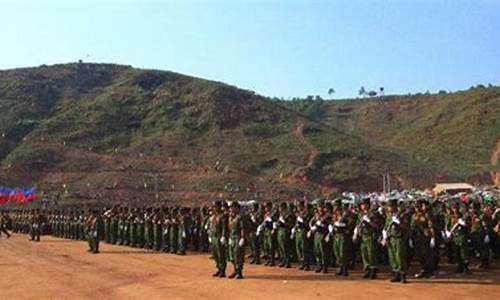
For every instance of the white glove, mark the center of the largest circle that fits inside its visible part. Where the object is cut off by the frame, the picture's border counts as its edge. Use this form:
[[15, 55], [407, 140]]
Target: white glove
[[313, 228], [330, 228], [366, 219], [293, 231], [410, 243], [380, 210], [282, 220], [327, 238], [308, 234], [461, 222], [253, 219], [356, 231], [396, 220], [223, 240], [448, 234], [210, 240], [319, 223], [432, 243], [339, 224], [183, 234], [384, 235], [275, 225], [487, 239], [206, 227], [241, 242], [268, 219], [300, 219]]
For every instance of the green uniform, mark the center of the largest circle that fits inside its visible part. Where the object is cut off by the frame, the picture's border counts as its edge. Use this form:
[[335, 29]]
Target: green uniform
[[396, 240], [236, 243], [218, 240], [367, 232], [319, 229], [342, 228], [421, 234]]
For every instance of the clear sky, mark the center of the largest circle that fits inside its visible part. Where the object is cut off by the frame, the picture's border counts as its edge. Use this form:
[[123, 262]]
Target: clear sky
[[276, 48]]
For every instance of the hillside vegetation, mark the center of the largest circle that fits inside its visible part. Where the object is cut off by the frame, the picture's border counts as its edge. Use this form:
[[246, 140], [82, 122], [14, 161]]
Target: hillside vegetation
[[100, 132]]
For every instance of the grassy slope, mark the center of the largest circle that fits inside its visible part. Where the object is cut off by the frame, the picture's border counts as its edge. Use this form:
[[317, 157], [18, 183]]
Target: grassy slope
[[113, 129], [451, 135]]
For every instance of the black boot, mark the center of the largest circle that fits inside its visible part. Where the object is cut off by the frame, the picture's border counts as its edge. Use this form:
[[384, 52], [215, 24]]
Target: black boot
[[345, 271], [216, 274], [373, 274], [318, 270], [339, 272], [232, 275], [367, 273], [396, 278], [222, 274], [403, 278], [239, 275]]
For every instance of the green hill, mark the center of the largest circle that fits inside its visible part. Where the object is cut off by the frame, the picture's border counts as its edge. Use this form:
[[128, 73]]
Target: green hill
[[100, 132], [454, 135]]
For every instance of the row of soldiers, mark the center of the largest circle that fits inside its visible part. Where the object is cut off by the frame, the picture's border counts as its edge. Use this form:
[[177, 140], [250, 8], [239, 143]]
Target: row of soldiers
[[329, 233]]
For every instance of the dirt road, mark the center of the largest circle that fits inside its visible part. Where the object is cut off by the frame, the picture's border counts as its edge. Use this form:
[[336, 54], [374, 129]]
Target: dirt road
[[62, 269]]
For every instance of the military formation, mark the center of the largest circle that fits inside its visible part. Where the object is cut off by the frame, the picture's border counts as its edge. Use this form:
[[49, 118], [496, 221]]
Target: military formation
[[318, 235]]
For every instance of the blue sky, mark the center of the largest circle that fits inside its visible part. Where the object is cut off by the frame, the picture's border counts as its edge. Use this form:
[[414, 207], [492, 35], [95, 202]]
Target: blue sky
[[277, 48]]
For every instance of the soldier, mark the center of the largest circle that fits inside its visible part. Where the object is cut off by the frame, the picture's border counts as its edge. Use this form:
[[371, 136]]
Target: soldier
[[395, 238], [148, 228], [479, 234], [318, 229], [458, 232], [93, 225], [299, 232], [422, 238], [184, 225], [236, 243], [174, 230], [217, 237], [255, 219], [366, 233], [267, 228], [157, 220], [36, 225], [341, 227], [284, 225], [4, 224]]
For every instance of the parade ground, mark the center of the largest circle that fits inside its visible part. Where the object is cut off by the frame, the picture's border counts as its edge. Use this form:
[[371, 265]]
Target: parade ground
[[63, 269]]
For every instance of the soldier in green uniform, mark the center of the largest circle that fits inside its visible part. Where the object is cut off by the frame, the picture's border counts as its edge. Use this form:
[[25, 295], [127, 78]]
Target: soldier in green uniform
[[3, 224], [299, 231], [166, 230], [256, 219], [268, 230], [236, 243], [284, 225], [422, 238], [174, 230], [148, 228], [184, 225], [479, 234], [457, 230], [218, 238], [157, 220], [394, 237], [341, 227], [93, 224], [366, 232], [318, 228], [36, 225]]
